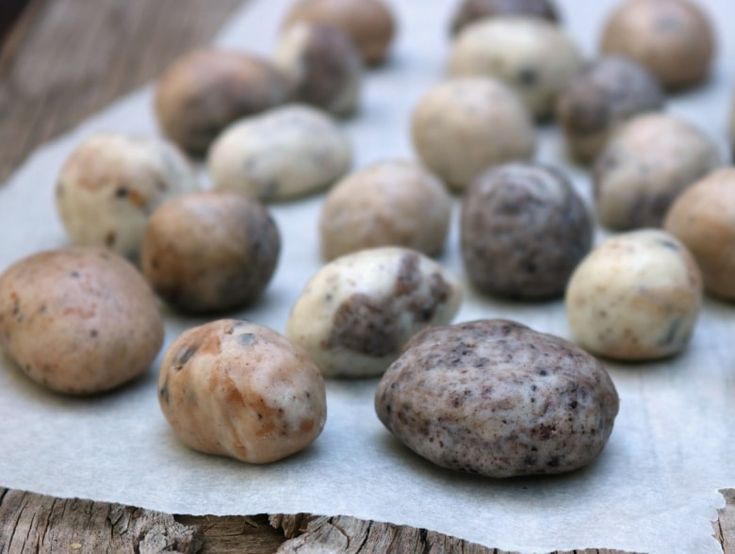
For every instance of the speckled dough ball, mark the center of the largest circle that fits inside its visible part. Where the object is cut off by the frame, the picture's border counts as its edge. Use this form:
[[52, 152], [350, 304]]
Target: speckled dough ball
[[646, 165], [369, 23], [607, 92], [674, 39], [498, 399], [635, 297], [280, 155], [395, 203], [78, 320], [323, 66], [110, 185], [532, 56], [463, 126], [206, 90], [524, 230], [703, 218], [358, 311], [470, 11], [210, 251], [237, 389]]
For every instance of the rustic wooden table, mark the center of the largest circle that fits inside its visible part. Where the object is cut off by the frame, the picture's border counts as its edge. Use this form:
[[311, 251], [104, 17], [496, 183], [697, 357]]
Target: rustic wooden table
[[61, 60]]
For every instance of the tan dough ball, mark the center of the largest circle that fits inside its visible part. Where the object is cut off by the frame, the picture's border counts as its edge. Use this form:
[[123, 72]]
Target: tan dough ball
[[674, 39], [635, 297], [323, 65], [462, 127], [283, 154], [210, 251], [206, 90], [357, 312], [532, 56], [78, 320], [605, 94], [238, 389], [110, 185], [703, 218], [369, 23], [646, 165], [470, 11], [395, 203]]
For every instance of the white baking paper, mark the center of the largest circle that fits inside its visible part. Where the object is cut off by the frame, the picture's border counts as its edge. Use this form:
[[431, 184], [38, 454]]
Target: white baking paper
[[653, 489]]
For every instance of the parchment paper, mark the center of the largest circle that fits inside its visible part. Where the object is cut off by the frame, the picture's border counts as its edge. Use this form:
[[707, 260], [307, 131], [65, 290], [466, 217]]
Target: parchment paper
[[653, 489]]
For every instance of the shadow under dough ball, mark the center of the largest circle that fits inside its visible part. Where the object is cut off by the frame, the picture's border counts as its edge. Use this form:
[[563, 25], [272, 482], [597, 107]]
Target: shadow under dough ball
[[470, 11], [210, 251], [523, 230]]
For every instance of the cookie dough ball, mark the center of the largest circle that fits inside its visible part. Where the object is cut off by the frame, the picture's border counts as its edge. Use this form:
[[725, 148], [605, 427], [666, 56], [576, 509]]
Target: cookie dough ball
[[498, 399], [369, 23], [674, 39], [110, 185], [524, 230], [78, 320], [703, 218], [607, 92], [463, 126], [395, 203], [532, 56], [283, 154], [358, 311], [323, 65], [210, 251], [646, 165], [635, 297], [237, 389], [206, 90], [470, 11]]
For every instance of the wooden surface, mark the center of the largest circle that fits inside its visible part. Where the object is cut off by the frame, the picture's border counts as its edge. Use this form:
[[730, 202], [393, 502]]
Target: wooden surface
[[60, 61]]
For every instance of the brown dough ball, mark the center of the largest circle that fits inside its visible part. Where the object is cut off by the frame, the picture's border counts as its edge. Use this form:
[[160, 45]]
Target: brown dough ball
[[324, 67], [674, 39], [237, 389], [206, 90], [703, 218], [604, 94], [78, 320], [369, 23], [524, 230], [395, 203], [210, 251], [496, 398], [470, 11]]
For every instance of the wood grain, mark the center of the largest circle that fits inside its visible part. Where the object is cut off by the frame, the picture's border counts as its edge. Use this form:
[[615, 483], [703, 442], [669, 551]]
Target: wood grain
[[65, 59]]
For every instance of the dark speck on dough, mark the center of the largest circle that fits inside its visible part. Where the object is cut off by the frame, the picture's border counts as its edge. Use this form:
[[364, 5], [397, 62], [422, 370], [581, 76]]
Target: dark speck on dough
[[671, 245], [247, 339], [527, 76], [121, 192], [184, 356]]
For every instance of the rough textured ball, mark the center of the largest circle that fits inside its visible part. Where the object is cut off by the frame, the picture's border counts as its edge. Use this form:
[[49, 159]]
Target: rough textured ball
[[524, 229], [470, 11], [210, 251]]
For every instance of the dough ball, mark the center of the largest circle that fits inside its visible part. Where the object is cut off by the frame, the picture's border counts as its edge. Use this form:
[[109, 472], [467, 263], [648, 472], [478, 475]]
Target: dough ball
[[524, 230], [646, 165], [78, 320], [463, 126], [237, 389], [532, 56], [674, 39], [280, 155], [470, 11], [206, 90], [395, 203], [111, 184], [703, 218], [369, 23], [498, 399], [210, 251], [607, 92], [358, 311], [635, 297], [323, 65]]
